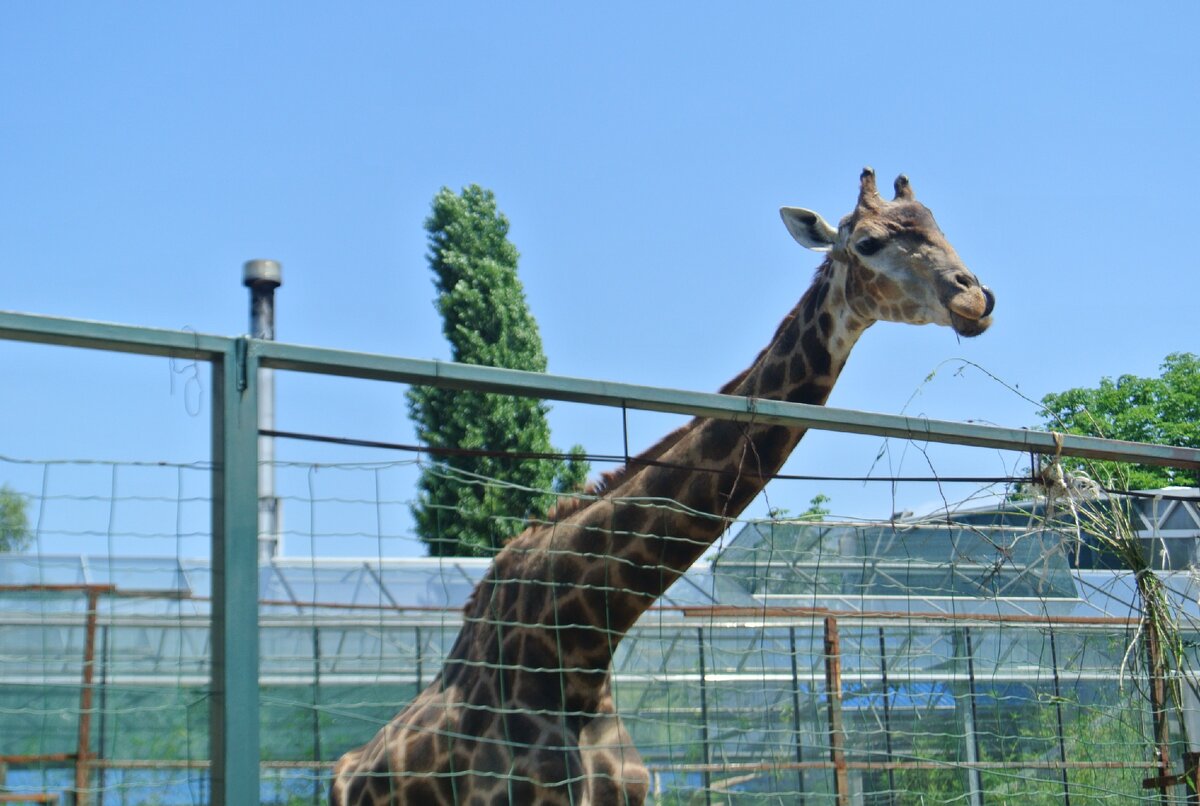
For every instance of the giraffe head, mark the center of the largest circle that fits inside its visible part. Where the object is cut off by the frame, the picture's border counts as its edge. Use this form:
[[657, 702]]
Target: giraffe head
[[899, 265]]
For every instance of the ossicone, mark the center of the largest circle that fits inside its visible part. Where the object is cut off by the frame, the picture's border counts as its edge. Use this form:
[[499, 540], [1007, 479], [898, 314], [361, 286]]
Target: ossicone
[[903, 189], [868, 192]]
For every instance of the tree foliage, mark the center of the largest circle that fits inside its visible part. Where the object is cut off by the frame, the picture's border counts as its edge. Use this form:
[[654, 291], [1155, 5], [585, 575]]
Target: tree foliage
[[487, 322], [1163, 410], [14, 524]]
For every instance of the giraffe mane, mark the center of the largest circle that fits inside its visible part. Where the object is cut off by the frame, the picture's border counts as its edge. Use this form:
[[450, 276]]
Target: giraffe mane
[[611, 480]]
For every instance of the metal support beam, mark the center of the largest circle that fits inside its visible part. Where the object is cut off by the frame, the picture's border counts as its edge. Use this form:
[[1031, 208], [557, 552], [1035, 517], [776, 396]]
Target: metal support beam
[[704, 739], [233, 709], [83, 752], [1058, 712], [1157, 674], [968, 718], [797, 735], [833, 697], [885, 688]]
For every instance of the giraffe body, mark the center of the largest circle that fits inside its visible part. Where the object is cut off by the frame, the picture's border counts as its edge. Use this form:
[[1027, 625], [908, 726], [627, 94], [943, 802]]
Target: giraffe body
[[522, 711]]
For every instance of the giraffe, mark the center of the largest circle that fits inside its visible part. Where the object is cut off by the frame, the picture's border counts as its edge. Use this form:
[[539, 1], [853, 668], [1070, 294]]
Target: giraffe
[[522, 711]]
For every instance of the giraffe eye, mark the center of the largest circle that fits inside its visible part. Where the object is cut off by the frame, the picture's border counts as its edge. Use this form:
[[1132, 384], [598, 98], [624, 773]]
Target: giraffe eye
[[869, 246]]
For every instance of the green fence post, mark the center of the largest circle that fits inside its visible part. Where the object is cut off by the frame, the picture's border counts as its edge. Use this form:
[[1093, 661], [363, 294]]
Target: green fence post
[[233, 709]]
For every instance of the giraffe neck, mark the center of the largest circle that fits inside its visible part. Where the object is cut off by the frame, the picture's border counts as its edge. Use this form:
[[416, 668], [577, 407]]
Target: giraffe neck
[[607, 562]]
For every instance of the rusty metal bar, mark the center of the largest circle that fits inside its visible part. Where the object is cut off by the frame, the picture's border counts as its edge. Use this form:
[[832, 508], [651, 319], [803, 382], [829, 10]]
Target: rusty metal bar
[[704, 718], [83, 751], [1158, 708], [759, 613], [971, 724], [833, 696], [797, 735], [887, 714], [57, 588], [1062, 742]]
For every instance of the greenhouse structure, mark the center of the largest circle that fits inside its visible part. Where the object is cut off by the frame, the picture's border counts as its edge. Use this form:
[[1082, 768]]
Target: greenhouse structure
[[967, 660]]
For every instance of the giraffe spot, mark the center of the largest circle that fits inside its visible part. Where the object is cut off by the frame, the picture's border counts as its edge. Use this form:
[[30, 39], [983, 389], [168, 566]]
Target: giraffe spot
[[604, 768], [771, 378], [580, 699], [421, 753], [489, 758], [774, 443], [595, 655], [560, 768], [809, 303], [521, 792], [571, 611], [625, 520], [476, 720], [460, 761], [718, 440], [513, 644], [816, 351], [354, 793], [522, 730], [604, 788], [530, 604], [540, 649], [481, 691], [567, 568], [699, 492], [670, 481], [740, 495], [421, 791], [787, 339], [814, 392], [622, 611], [540, 690], [798, 368], [825, 323]]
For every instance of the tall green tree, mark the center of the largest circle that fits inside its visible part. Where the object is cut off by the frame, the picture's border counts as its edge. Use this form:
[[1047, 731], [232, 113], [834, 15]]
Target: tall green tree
[[14, 524], [1163, 410], [471, 504]]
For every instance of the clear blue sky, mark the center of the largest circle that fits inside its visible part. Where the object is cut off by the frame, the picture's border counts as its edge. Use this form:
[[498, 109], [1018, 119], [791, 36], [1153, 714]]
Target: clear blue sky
[[641, 153]]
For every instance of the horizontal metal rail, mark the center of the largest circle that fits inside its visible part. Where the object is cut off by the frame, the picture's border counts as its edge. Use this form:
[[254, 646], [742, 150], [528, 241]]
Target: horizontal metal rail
[[112, 337], [326, 361]]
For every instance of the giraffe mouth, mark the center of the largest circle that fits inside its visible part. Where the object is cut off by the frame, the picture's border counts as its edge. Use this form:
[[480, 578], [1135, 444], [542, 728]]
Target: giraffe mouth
[[966, 325]]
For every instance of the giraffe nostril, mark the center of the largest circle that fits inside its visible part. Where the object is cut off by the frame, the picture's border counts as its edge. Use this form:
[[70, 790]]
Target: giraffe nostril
[[965, 281]]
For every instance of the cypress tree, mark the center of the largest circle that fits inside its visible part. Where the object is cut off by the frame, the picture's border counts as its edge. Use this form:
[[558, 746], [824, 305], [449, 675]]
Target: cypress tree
[[471, 505]]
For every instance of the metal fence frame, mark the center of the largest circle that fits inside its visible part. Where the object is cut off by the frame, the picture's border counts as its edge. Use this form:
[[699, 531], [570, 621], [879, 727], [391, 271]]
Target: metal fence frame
[[235, 362]]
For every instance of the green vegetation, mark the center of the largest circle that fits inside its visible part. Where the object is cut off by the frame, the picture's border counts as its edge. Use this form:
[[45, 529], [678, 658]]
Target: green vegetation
[[15, 534], [1163, 410], [460, 511]]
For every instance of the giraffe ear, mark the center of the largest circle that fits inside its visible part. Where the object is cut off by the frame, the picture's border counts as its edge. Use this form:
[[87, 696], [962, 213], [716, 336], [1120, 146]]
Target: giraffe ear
[[808, 228]]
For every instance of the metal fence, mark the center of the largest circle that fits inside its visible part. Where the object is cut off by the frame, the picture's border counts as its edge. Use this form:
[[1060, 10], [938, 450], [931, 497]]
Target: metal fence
[[232, 668]]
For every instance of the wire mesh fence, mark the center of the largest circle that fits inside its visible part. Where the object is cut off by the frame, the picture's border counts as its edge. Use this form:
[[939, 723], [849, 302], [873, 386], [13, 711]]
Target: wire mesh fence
[[1007, 641], [982, 655]]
